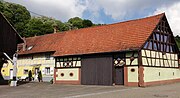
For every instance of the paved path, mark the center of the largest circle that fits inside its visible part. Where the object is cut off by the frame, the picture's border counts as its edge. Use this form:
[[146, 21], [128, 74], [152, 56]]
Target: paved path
[[47, 90]]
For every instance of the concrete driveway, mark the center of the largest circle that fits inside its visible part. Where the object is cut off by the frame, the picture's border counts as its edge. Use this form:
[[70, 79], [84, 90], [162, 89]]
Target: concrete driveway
[[47, 90]]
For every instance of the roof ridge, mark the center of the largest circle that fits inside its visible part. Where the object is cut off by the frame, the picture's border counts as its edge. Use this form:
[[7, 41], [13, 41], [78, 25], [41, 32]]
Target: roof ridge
[[106, 38], [75, 30]]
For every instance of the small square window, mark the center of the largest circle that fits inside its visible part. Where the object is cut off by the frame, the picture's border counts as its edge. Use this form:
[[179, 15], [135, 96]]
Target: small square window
[[25, 71], [47, 56], [65, 59], [75, 58], [61, 60], [47, 70], [79, 58], [70, 59]]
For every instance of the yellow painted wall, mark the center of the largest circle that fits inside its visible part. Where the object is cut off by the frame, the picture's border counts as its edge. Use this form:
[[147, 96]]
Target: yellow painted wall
[[6, 68], [152, 74], [21, 70], [27, 62], [66, 73], [38, 59], [133, 76]]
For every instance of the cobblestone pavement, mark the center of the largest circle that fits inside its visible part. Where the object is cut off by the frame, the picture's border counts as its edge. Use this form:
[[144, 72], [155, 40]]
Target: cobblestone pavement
[[47, 90]]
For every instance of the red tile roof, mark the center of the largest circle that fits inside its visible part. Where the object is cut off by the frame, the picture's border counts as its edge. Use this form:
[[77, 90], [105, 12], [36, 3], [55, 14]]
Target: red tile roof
[[41, 43], [121, 36]]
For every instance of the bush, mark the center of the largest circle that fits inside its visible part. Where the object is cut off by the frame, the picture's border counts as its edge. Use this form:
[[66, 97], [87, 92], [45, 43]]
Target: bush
[[9, 81], [51, 81]]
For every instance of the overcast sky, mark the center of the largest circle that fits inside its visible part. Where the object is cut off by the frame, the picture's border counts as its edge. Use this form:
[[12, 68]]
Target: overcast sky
[[106, 11]]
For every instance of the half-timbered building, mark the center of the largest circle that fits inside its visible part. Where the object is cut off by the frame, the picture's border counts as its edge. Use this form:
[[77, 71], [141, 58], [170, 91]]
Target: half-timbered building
[[138, 52]]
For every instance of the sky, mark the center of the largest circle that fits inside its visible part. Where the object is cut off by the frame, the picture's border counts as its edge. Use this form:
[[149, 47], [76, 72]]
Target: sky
[[106, 11]]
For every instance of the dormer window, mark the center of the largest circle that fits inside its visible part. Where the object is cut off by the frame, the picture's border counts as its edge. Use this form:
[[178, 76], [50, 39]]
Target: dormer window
[[30, 47]]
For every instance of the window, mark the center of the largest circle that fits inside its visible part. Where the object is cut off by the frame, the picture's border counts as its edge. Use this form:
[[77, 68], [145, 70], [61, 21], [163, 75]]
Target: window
[[69, 61], [30, 47], [25, 71], [32, 57], [47, 56], [47, 70]]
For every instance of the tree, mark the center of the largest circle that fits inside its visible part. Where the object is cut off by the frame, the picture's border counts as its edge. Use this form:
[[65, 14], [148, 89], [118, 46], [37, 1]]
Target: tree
[[87, 23], [16, 14], [42, 25], [28, 26], [177, 39], [76, 22], [33, 28]]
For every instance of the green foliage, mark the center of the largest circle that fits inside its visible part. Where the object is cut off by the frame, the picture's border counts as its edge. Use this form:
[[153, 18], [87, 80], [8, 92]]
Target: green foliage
[[177, 39], [51, 81], [28, 26], [9, 81], [87, 23], [76, 22], [42, 25], [17, 15]]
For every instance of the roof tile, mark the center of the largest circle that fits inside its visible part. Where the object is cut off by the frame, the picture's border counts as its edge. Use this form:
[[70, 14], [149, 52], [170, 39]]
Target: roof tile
[[107, 38]]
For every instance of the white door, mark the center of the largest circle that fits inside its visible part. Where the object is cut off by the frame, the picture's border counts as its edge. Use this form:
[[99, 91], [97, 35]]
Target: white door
[[11, 74]]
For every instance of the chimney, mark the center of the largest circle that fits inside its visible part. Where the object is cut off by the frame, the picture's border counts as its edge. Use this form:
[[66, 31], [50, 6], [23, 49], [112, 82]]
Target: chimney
[[24, 44], [55, 27]]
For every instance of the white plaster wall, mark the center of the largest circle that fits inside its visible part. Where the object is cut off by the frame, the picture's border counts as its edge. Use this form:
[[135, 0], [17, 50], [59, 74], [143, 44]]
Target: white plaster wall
[[134, 62], [66, 73], [152, 74], [133, 76], [169, 58]]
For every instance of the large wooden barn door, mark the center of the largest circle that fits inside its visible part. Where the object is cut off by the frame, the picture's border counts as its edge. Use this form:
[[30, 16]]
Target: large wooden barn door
[[119, 76], [97, 70]]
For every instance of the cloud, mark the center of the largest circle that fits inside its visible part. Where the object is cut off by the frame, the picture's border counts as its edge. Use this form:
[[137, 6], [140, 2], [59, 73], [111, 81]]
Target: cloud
[[105, 11], [173, 15], [59, 9], [125, 9]]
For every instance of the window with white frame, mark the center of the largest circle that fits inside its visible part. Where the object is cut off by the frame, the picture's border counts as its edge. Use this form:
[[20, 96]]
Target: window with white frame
[[47, 70], [25, 71]]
